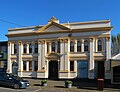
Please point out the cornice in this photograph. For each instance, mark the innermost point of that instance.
(61, 31)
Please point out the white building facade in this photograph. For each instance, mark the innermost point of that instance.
(61, 50)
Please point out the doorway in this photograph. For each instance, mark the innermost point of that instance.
(101, 69)
(53, 70)
(15, 68)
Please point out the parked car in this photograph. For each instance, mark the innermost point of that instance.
(14, 81)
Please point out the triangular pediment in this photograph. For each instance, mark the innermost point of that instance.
(51, 27)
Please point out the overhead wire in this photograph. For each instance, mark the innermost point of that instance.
(11, 22)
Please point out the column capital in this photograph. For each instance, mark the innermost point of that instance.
(41, 41)
(91, 39)
(9, 43)
(19, 43)
(61, 40)
(66, 40)
(107, 38)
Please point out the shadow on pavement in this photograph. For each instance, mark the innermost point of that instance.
(59, 86)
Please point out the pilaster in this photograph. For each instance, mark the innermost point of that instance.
(19, 55)
(91, 62)
(27, 48)
(82, 45)
(75, 46)
(12, 45)
(9, 66)
(62, 50)
(108, 56)
(39, 55)
(27, 65)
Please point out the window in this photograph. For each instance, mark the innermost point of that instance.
(53, 46)
(24, 48)
(58, 47)
(78, 46)
(86, 45)
(30, 65)
(36, 48)
(24, 65)
(71, 46)
(15, 48)
(71, 65)
(30, 48)
(99, 45)
(36, 65)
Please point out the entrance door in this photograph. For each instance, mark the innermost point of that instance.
(100, 69)
(15, 68)
(53, 69)
(82, 69)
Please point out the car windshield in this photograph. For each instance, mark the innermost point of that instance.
(16, 77)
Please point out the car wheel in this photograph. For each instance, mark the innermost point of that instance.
(16, 86)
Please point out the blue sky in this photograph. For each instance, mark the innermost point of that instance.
(38, 12)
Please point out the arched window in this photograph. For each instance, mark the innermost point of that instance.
(53, 46)
(36, 48)
(71, 46)
(99, 45)
(86, 45)
(15, 48)
(78, 46)
(30, 48)
(24, 48)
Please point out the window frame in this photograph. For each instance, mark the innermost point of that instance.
(79, 46)
(99, 46)
(71, 46)
(86, 46)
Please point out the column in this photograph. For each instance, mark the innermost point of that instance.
(27, 65)
(75, 46)
(39, 55)
(91, 61)
(108, 56)
(19, 55)
(33, 47)
(62, 55)
(75, 65)
(96, 45)
(9, 66)
(33, 67)
(27, 48)
(44, 51)
(67, 49)
(82, 45)
(12, 48)
(49, 47)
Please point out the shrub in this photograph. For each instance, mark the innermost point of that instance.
(44, 81)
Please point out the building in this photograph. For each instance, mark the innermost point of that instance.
(61, 50)
(115, 69)
(3, 56)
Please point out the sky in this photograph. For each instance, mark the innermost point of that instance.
(38, 12)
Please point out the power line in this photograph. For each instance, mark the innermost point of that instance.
(11, 23)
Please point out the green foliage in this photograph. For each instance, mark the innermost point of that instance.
(44, 81)
(68, 82)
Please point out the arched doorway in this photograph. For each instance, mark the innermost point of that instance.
(15, 68)
(53, 70)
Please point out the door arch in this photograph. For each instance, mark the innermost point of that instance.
(15, 68)
(53, 70)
